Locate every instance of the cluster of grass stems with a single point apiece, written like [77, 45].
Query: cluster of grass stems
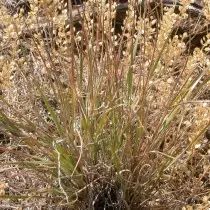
[103, 107]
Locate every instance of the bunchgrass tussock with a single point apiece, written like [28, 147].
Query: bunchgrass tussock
[107, 113]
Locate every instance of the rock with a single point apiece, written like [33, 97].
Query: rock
[208, 134]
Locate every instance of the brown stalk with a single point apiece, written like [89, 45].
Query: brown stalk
[70, 19]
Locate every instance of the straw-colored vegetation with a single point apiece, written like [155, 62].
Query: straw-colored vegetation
[103, 114]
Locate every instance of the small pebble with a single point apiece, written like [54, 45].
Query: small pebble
[208, 134]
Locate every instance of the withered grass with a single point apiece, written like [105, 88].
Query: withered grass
[104, 113]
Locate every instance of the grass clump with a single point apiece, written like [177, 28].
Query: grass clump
[111, 115]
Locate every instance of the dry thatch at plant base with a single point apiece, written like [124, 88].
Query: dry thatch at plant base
[106, 114]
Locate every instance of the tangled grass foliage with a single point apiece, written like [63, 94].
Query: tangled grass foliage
[110, 114]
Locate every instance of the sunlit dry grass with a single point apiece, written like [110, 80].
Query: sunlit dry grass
[107, 115]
